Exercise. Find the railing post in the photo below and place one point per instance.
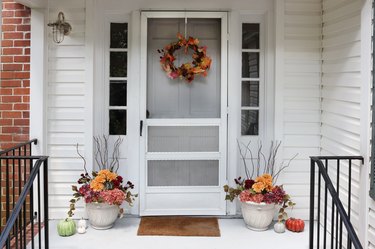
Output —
(312, 197)
(45, 187)
(341, 214)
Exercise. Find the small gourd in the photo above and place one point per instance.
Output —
(66, 227)
(81, 230)
(279, 227)
(82, 223)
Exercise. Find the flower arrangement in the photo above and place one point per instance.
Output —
(104, 185)
(260, 190)
(262, 187)
(201, 62)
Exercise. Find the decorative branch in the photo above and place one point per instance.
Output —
(269, 162)
(244, 160)
(114, 166)
(98, 152)
(102, 153)
(276, 176)
(269, 158)
(258, 157)
(84, 160)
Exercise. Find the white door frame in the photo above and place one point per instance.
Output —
(221, 210)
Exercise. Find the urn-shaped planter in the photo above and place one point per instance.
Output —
(257, 216)
(102, 215)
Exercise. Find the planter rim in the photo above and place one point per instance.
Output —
(256, 203)
(101, 203)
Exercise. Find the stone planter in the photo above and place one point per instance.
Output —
(102, 215)
(257, 216)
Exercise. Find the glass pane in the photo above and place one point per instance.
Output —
(183, 139)
(119, 35)
(117, 122)
(117, 93)
(118, 64)
(167, 98)
(250, 93)
(183, 173)
(250, 35)
(250, 65)
(249, 122)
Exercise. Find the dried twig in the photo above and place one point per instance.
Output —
(269, 162)
(102, 155)
(115, 155)
(258, 157)
(247, 147)
(84, 160)
(243, 160)
(276, 176)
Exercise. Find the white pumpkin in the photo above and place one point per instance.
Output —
(279, 227)
(82, 223)
(81, 230)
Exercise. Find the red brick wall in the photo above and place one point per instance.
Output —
(15, 74)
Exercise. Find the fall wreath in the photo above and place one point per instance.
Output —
(200, 65)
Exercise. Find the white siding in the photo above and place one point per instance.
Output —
(341, 89)
(66, 106)
(371, 214)
(302, 69)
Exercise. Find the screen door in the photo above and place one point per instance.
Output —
(183, 129)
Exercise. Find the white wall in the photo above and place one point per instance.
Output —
(297, 94)
(297, 87)
(367, 76)
(67, 114)
(341, 91)
(73, 67)
(307, 124)
(68, 94)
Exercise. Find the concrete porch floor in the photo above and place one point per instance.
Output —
(124, 235)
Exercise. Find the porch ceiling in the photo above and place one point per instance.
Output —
(33, 3)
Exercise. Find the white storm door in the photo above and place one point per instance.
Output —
(184, 126)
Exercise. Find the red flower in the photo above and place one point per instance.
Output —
(249, 183)
(119, 178)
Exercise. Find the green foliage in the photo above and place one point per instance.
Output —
(231, 193)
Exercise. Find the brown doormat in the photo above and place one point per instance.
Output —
(179, 226)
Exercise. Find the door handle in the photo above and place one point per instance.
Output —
(140, 128)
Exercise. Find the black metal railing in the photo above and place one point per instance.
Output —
(12, 172)
(333, 235)
(24, 186)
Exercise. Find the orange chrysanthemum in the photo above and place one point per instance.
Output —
(108, 175)
(105, 175)
(258, 187)
(267, 176)
(266, 180)
(96, 185)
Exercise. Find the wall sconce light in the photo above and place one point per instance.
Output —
(60, 28)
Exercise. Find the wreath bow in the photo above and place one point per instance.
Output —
(200, 65)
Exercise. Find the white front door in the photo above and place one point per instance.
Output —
(184, 125)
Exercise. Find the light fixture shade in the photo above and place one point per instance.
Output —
(60, 28)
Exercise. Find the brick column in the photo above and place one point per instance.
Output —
(15, 74)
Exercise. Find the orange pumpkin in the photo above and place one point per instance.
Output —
(295, 225)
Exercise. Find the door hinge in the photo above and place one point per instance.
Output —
(228, 36)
